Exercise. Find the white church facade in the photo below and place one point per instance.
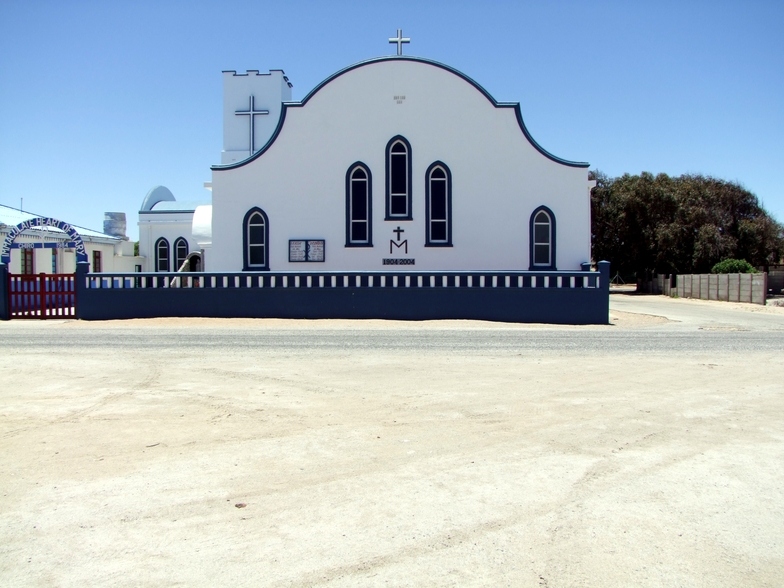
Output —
(393, 163)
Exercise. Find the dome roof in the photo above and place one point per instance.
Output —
(156, 195)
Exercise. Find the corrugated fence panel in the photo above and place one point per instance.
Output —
(713, 287)
(749, 288)
(759, 288)
(733, 281)
(745, 288)
(704, 285)
(723, 287)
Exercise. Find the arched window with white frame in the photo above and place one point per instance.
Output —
(438, 206)
(359, 217)
(398, 184)
(542, 239)
(180, 252)
(255, 236)
(161, 255)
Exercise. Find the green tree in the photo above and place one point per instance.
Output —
(646, 224)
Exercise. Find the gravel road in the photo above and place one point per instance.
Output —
(200, 452)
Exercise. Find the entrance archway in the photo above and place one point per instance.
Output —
(76, 242)
(44, 295)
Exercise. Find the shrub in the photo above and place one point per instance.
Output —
(733, 266)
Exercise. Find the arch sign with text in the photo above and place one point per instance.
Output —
(75, 242)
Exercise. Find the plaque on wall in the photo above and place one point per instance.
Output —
(315, 251)
(306, 250)
(298, 250)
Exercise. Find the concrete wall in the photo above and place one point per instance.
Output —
(550, 297)
(751, 288)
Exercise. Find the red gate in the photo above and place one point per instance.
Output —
(42, 296)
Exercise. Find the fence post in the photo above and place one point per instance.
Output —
(82, 269)
(604, 276)
(5, 311)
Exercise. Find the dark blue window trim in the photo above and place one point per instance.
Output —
(157, 256)
(553, 240)
(485, 93)
(245, 252)
(175, 248)
(388, 216)
(351, 169)
(428, 242)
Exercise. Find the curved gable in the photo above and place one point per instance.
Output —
(369, 62)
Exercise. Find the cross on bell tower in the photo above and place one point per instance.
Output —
(399, 41)
(251, 113)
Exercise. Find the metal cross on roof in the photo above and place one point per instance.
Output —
(399, 41)
(251, 113)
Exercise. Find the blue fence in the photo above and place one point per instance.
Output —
(578, 297)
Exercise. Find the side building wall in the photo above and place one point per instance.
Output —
(167, 225)
(116, 256)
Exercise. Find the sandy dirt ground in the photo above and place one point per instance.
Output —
(172, 459)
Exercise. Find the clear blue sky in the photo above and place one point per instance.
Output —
(100, 101)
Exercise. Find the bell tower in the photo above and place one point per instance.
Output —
(252, 103)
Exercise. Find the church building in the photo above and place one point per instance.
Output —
(397, 188)
(394, 163)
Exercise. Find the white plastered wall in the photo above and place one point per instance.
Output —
(498, 177)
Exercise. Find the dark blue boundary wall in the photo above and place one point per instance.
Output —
(120, 296)
(5, 310)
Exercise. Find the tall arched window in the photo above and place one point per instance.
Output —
(542, 239)
(180, 252)
(398, 201)
(255, 235)
(438, 206)
(359, 220)
(161, 255)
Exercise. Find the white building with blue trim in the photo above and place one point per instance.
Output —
(40, 245)
(392, 163)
